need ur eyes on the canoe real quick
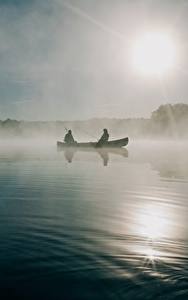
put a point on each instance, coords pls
(110, 144)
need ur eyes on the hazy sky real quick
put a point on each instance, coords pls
(72, 59)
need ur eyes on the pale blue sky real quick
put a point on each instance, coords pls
(71, 59)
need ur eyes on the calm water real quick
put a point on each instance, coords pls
(94, 225)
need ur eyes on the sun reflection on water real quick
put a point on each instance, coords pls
(153, 226)
(151, 254)
(154, 221)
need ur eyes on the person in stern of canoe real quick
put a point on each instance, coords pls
(68, 139)
(104, 138)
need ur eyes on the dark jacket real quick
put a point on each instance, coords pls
(69, 138)
(104, 138)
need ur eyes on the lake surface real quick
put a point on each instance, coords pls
(91, 225)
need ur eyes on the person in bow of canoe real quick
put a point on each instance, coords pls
(104, 138)
(68, 139)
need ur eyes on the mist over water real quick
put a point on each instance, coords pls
(76, 230)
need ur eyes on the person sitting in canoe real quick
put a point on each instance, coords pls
(104, 138)
(68, 139)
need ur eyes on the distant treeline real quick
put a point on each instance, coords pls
(170, 121)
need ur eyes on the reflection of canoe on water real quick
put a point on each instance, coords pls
(110, 144)
(103, 152)
(118, 151)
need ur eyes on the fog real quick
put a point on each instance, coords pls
(167, 158)
(71, 60)
(67, 65)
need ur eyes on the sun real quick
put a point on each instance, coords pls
(154, 53)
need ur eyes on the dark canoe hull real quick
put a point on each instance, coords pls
(110, 144)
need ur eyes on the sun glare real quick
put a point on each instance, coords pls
(154, 54)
